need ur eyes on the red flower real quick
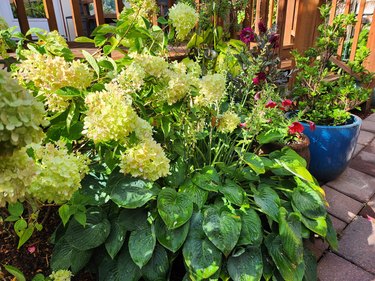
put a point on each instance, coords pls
(296, 127)
(271, 104)
(274, 40)
(242, 125)
(31, 249)
(286, 103)
(262, 28)
(312, 125)
(261, 76)
(247, 35)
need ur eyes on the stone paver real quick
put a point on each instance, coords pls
(364, 162)
(371, 118)
(365, 137)
(334, 268)
(342, 206)
(317, 247)
(358, 244)
(338, 224)
(369, 209)
(368, 125)
(358, 149)
(355, 184)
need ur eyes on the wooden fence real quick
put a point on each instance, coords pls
(297, 21)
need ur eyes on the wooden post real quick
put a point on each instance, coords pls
(357, 29)
(22, 16)
(280, 21)
(270, 13)
(369, 63)
(99, 14)
(249, 14)
(260, 13)
(333, 11)
(119, 7)
(50, 14)
(76, 16)
(171, 2)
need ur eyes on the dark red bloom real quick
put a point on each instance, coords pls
(312, 125)
(286, 103)
(261, 76)
(262, 28)
(271, 104)
(274, 40)
(296, 127)
(247, 35)
(242, 125)
(282, 108)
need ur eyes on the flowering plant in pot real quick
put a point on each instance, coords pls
(154, 175)
(325, 102)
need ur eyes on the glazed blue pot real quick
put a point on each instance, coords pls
(331, 148)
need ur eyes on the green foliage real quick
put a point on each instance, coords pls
(322, 101)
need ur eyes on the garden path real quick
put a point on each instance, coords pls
(351, 200)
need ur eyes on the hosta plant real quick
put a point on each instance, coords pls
(171, 188)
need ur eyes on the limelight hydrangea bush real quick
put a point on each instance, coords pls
(21, 116)
(183, 18)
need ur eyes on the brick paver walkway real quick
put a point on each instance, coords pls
(351, 200)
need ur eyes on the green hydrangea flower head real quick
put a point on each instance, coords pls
(21, 116)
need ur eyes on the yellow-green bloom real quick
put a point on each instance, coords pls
(146, 160)
(21, 115)
(59, 173)
(132, 78)
(152, 65)
(61, 275)
(110, 115)
(16, 174)
(228, 122)
(183, 18)
(143, 129)
(211, 90)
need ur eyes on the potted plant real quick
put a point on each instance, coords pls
(332, 130)
(154, 174)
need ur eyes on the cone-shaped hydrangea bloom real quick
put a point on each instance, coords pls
(183, 18)
(110, 115)
(59, 175)
(146, 160)
(61, 275)
(50, 73)
(211, 89)
(229, 122)
(132, 78)
(16, 174)
(20, 115)
(152, 65)
(143, 129)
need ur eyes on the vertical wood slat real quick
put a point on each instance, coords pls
(171, 2)
(260, 13)
(119, 7)
(270, 13)
(248, 22)
(333, 11)
(288, 24)
(357, 29)
(76, 16)
(370, 61)
(22, 16)
(341, 45)
(280, 20)
(50, 14)
(99, 13)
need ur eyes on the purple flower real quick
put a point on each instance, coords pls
(274, 40)
(247, 35)
(312, 125)
(261, 76)
(262, 28)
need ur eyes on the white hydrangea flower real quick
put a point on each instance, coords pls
(61, 275)
(211, 90)
(183, 18)
(228, 122)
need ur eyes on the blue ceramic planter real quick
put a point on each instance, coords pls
(331, 148)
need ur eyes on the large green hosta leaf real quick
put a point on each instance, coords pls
(122, 268)
(254, 162)
(133, 219)
(65, 256)
(290, 233)
(201, 257)
(251, 230)
(311, 273)
(90, 236)
(172, 239)
(267, 200)
(307, 201)
(247, 266)
(289, 270)
(175, 208)
(331, 236)
(130, 192)
(222, 228)
(196, 194)
(116, 238)
(157, 267)
(233, 192)
(141, 245)
(207, 179)
(318, 225)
